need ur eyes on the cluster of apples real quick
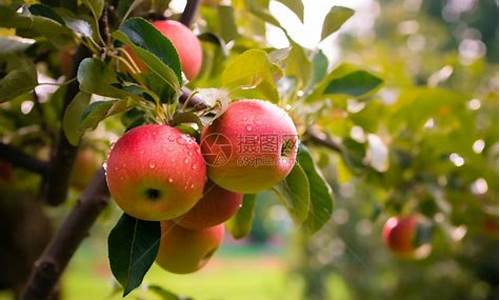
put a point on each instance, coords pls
(157, 173)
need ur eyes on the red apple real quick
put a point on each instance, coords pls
(251, 147)
(86, 165)
(186, 43)
(184, 250)
(215, 207)
(155, 172)
(400, 235)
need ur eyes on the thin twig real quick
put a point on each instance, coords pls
(321, 138)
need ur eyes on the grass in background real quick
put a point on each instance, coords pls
(235, 272)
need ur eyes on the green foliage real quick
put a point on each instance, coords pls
(95, 77)
(240, 224)
(295, 194)
(321, 206)
(142, 34)
(251, 70)
(335, 18)
(20, 77)
(133, 246)
(296, 6)
(72, 116)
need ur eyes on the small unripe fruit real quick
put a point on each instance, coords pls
(400, 235)
(186, 43)
(215, 207)
(155, 172)
(86, 165)
(184, 250)
(251, 147)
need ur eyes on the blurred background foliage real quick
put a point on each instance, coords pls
(426, 142)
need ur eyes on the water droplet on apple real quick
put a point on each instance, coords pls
(192, 186)
(105, 166)
(170, 180)
(194, 167)
(248, 128)
(152, 165)
(186, 160)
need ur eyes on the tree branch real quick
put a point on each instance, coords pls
(22, 160)
(316, 136)
(189, 12)
(50, 266)
(194, 101)
(63, 154)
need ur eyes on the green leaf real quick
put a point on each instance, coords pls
(216, 40)
(98, 111)
(228, 28)
(337, 16)
(126, 6)
(52, 30)
(296, 6)
(186, 117)
(241, 223)
(80, 24)
(251, 69)
(295, 194)
(132, 248)
(356, 84)
(14, 44)
(264, 15)
(346, 79)
(319, 68)
(321, 206)
(298, 65)
(45, 11)
(96, 77)
(96, 6)
(20, 78)
(354, 154)
(72, 116)
(144, 35)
